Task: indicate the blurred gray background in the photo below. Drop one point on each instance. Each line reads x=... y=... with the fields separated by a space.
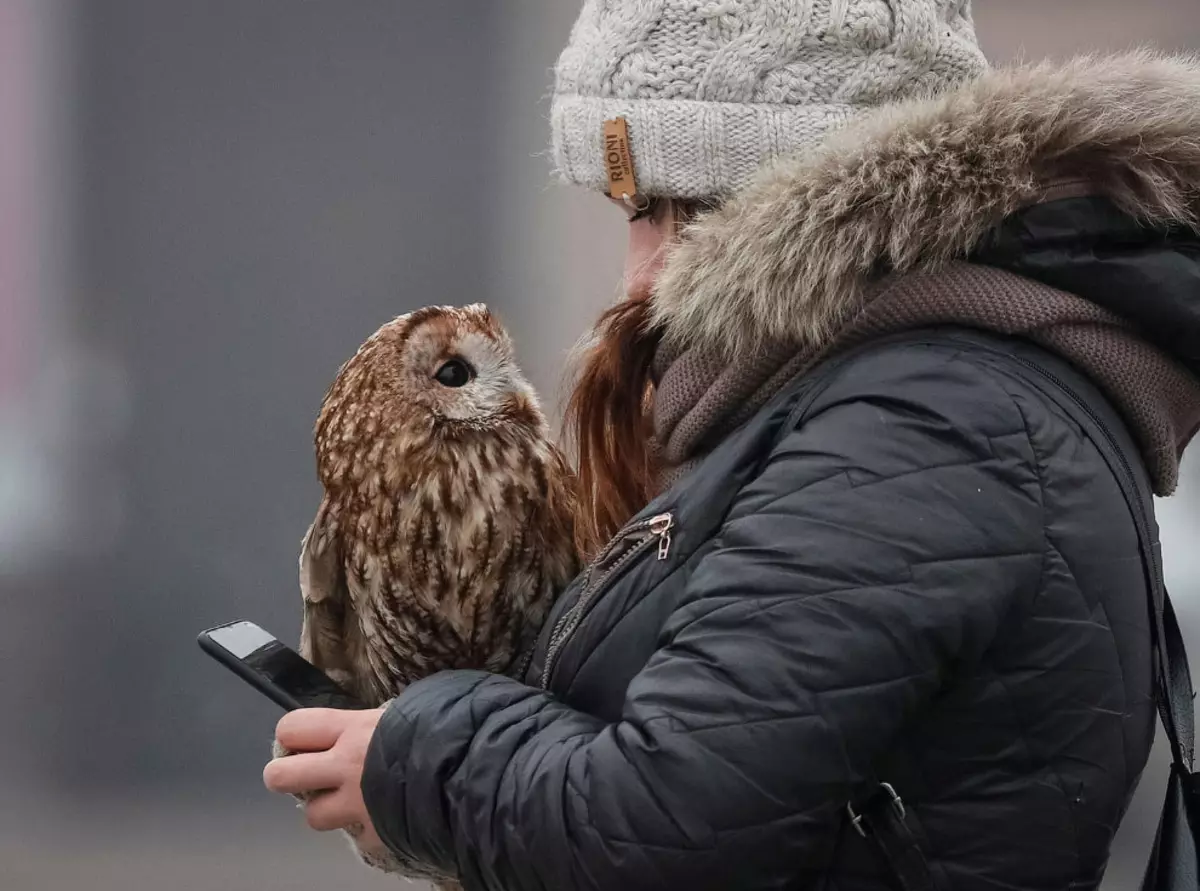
x=204 y=208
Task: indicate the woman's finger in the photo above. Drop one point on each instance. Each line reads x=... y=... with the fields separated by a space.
x=333 y=810
x=310 y=729
x=303 y=772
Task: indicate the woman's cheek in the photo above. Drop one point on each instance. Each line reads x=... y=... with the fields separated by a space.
x=643 y=259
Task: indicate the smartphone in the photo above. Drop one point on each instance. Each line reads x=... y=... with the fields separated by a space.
x=272 y=668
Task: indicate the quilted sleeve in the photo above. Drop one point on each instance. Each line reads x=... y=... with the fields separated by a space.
x=879 y=549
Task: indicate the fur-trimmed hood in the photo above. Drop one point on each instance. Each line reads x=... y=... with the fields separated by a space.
x=922 y=183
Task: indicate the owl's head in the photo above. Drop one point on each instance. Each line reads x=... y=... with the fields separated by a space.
x=442 y=372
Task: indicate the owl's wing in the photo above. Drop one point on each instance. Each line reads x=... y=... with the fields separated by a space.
x=323 y=588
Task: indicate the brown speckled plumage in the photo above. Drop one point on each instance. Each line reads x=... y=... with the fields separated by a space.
x=445 y=531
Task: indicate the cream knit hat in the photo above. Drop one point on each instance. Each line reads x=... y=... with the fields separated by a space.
x=711 y=90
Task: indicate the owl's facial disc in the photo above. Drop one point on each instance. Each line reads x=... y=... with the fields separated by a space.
x=457 y=364
x=473 y=378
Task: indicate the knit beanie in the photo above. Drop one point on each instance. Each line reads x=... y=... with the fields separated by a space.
x=689 y=98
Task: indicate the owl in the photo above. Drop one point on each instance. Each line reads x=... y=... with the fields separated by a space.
x=445 y=530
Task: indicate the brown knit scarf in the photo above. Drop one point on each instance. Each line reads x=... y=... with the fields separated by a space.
x=700 y=399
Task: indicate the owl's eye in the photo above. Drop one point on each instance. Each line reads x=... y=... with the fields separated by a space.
x=455 y=373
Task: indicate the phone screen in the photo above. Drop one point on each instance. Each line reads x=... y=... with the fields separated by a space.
x=281 y=666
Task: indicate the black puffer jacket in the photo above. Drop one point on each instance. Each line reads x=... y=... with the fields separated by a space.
x=910 y=567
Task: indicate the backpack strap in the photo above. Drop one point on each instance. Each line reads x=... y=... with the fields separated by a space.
x=883 y=820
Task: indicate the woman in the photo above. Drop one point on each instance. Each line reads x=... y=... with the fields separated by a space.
x=866 y=601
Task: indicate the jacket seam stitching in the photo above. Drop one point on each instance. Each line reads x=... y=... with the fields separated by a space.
x=1036 y=464
x=1120 y=664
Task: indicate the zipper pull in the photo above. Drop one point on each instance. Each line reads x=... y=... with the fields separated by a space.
x=661 y=526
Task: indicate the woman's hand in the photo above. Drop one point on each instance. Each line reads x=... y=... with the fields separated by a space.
x=330 y=746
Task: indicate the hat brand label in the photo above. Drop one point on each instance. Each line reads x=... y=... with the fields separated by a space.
x=618 y=160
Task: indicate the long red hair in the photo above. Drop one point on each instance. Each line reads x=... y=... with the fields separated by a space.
x=608 y=420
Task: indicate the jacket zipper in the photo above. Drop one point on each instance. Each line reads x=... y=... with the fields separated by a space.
x=656 y=529
x=525 y=662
